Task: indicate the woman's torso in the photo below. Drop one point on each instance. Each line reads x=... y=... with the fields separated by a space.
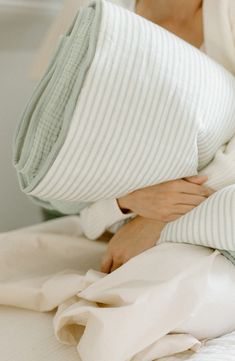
x=217 y=34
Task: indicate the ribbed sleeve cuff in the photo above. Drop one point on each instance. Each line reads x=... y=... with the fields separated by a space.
x=98 y=217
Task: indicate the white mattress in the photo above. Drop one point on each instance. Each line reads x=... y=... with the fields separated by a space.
x=27 y=335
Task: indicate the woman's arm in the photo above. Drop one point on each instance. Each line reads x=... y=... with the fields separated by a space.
x=167 y=201
x=162 y=202
x=133 y=238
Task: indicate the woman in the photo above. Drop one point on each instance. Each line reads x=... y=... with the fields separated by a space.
x=208 y=25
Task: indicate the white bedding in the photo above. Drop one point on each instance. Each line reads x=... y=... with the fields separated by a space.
x=149 y=108
x=164 y=301
x=219 y=349
x=33 y=338
x=29 y=336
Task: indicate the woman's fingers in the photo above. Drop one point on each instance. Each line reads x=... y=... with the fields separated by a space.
x=106 y=264
x=184 y=186
x=188 y=199
x=158 y=201
x=179 y=211
x=109 y=264
x=116 y=265
x=173 y=217
x=183 y=209
x=197 y=179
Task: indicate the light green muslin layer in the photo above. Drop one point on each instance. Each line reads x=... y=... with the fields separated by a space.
x=229 y=254
x=45 y=122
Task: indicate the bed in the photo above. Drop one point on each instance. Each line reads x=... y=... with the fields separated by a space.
x=53 y=268
x=27 y=335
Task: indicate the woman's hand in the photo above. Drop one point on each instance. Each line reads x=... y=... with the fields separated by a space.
x=167 y=201
x=132 y=239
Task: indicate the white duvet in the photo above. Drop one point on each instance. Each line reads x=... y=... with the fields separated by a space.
x=164 y=301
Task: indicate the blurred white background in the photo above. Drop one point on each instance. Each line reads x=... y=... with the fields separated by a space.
x=23 y=25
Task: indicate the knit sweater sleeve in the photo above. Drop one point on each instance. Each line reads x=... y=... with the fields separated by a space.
x=101 y=216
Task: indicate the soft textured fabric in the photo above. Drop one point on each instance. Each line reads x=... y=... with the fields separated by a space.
x=26 y=335
x=164 y=301
x=219 y=349
x=219 y=31
x=101 y=216
x=47 y=117
x=38 y=333
x=219 y=44
x=212 y=222
x=191 y=96
x=151 y=108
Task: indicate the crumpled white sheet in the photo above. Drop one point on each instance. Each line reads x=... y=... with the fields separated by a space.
x=38 y=333
x=161 y=302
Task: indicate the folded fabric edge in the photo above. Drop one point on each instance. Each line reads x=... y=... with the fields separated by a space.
x=230 y=255
x=29 y=177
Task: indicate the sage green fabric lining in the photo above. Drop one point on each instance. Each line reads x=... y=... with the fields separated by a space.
x=45 y=122
x=229 y=254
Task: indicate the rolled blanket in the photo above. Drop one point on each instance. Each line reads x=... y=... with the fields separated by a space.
x=123 y=105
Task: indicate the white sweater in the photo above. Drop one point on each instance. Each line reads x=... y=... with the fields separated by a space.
x=219 y=43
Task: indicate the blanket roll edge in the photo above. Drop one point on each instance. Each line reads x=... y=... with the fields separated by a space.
x=30 y=169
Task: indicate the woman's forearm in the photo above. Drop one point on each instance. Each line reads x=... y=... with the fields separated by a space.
x=168 y=201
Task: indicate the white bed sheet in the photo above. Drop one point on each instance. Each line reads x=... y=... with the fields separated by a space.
x=219 y=349
x=28 y=335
